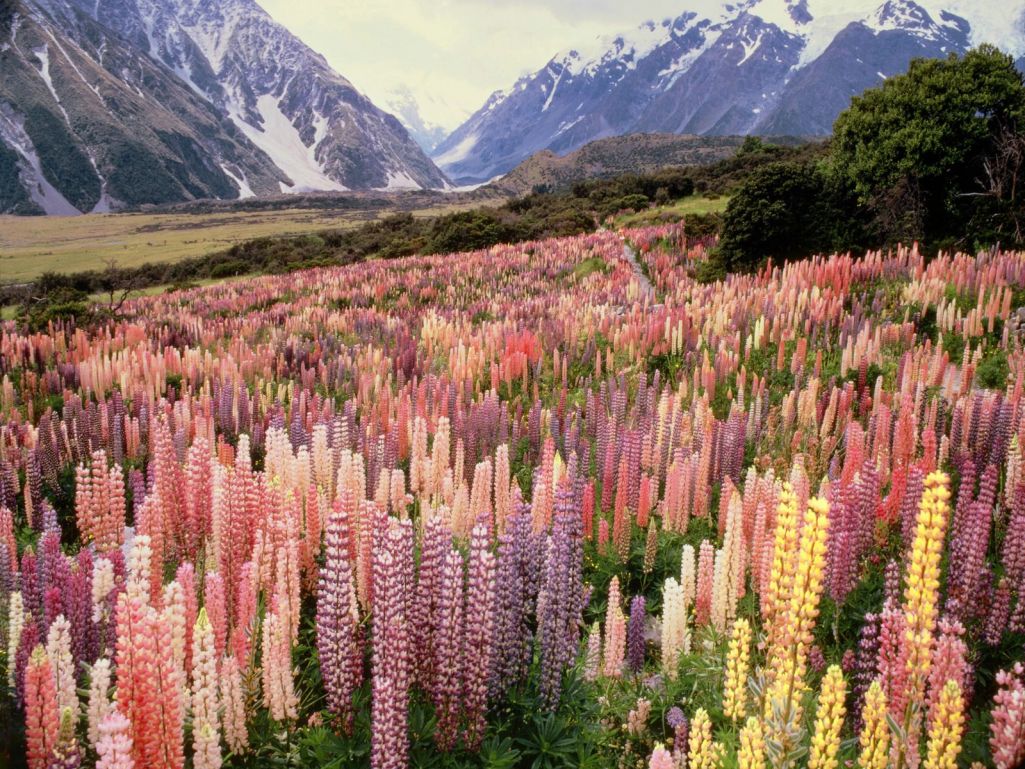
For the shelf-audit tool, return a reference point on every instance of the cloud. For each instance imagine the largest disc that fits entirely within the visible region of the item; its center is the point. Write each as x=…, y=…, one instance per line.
x=452, y=54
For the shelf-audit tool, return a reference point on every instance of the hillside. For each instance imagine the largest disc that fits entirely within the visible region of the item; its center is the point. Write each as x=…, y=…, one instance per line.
x=616, y=156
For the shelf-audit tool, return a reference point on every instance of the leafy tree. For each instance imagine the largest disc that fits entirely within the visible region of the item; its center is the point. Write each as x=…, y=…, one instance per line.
x=922, y=150
x=783, y=211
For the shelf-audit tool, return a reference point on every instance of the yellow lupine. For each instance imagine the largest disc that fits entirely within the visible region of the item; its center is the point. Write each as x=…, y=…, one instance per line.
x=921, y=597
x=875, y=734
x=828, y=720
x=947, y=728
x=781, y=574
x=788, y=656
x=699, y=745
x=738, y=663
x=752, y=746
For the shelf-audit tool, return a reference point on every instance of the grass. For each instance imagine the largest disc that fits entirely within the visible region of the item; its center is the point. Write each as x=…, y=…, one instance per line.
x=30, y=246
x=689, y=206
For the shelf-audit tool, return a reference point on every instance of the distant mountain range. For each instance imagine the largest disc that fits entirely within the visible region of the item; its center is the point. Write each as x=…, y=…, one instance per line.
x=770, y=67
x=113, y=103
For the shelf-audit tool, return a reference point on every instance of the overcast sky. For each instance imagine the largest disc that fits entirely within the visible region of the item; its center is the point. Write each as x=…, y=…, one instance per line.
x=452, y=54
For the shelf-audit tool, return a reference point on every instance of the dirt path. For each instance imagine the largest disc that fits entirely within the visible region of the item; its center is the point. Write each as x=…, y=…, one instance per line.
x=647, y=289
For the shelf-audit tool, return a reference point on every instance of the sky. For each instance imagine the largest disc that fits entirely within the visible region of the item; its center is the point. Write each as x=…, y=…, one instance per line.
x=452, y=54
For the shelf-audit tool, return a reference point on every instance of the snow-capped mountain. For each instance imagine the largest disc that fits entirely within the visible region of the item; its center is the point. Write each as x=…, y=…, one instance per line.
x=752, y=66
x=405, y=105
x=106, y=103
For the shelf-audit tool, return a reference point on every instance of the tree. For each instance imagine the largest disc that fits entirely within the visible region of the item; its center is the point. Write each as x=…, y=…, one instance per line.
x=919, y=151
x=782, y=211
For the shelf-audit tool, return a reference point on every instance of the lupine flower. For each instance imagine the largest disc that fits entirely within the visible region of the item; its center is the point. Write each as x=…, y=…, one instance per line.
x=233, y=698
x=42, y=722
x=921, y=592
x=99, y=706
x=875, y=734
x=393, y=577
x=699, y=746
x=114, y=746
x=661, y=758
x=1007, y=730
x=751, y=754
x=946, y=729
x=675, y=634
x=338, y=635
x=635, y=634
x=205, y=700
x=738, y=661
x=829, y=720
x=614, y=646
x=480, y=592
x=448, y=664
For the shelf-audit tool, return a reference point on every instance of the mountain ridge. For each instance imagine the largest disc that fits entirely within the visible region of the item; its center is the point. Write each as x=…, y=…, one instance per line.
x=94, y=118
x=757, y=66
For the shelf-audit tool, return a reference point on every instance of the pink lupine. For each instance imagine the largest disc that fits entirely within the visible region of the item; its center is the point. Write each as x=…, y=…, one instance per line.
x=392, y=664
x=705, y=579
x=114, y=746
x=205, y=699
x=449, y=628
x=614, y=645
x=1007, y=740
x=41, y=713
x=478, y=638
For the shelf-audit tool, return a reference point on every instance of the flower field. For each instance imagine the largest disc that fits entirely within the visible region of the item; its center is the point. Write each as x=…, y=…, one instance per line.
x=539, y=506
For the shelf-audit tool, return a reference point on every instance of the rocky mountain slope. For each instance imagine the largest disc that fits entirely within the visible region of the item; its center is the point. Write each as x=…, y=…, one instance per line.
x=113, y=103
x=754, y=66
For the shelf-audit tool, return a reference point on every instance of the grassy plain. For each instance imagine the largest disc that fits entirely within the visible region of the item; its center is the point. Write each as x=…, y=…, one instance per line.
x=31, y=245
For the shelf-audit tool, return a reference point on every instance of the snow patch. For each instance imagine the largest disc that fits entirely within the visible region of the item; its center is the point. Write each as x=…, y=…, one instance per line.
x=555, y=87
x=457, y=153
x=43, y=54
x=750, y=46
x=43, y=194
x=244, y=190
x=400, y=180
x=281, y=141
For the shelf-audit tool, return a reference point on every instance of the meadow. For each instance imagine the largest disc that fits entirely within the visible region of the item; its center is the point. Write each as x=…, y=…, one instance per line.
x=30, y=246
x=536, y=505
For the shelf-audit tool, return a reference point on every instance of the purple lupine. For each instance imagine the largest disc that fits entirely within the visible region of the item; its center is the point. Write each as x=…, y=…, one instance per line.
x=560, y=601
x=909, y=503
x=338, y=635
x=840, y=553
x=968, y=560
x=864, y=665
x=965, y=494
x=1012, y=550
x=635, y=635
x=478, y=635
x=678, y=722
x=393, y=577
x=999, y=614
x=448, y=650
x=78, y=609
x=515, y=594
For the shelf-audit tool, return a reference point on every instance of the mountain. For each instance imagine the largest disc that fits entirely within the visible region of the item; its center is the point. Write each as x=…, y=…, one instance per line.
x=113, y=103
x=752, y=66
x=406, y=107
x=615, y=156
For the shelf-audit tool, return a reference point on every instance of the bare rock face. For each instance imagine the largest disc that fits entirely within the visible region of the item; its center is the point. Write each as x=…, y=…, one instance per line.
x=769, y=67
